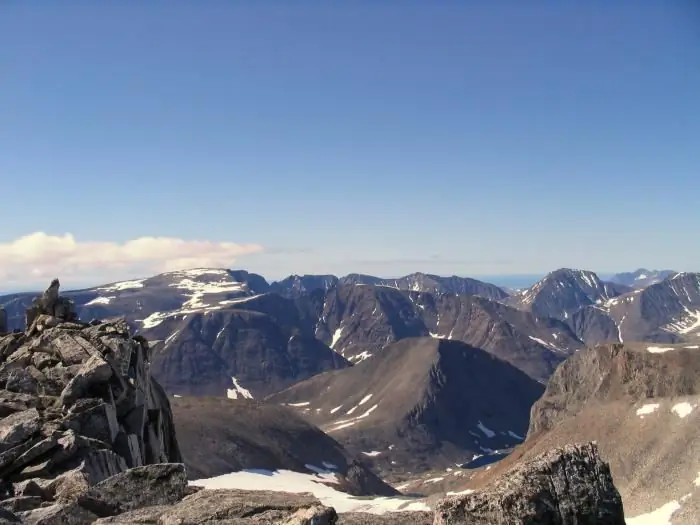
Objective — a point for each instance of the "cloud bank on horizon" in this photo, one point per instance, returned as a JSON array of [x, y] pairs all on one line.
[[34, 258]]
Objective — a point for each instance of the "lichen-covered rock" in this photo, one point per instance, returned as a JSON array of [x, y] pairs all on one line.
[[565, 486]]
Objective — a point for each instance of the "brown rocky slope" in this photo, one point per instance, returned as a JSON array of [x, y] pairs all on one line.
[[639, 401]]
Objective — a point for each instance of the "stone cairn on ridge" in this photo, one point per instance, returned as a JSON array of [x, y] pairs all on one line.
[[87, 436]]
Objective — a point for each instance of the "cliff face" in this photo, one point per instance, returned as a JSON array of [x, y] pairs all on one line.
[[77, 403]]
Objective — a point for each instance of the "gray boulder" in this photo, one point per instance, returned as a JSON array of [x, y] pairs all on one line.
[[151, 485], [565, 486]]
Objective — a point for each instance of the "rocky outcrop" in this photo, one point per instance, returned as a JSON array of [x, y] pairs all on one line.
[[78, 405], [565, 486]]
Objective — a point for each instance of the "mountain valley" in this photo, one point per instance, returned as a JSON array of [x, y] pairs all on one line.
[[422, 384]]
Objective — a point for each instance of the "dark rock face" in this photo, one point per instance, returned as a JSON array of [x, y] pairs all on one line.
[[433, 284], [617, 372], [265, 345], [562, 292], [297, 285], [641, 277], [565, 486], [78, 405]]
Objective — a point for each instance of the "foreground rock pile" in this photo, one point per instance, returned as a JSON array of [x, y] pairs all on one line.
[[77, 405]]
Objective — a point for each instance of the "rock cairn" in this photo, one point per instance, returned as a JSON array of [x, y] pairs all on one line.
[[77, 405]]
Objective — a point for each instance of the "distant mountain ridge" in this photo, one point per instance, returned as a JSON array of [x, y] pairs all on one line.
[[642, 277], [230, 332]]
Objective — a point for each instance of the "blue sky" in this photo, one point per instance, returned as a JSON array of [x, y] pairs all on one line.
[[460, 138]]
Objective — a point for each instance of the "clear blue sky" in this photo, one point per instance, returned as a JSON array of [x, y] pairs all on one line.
[[474, 138]]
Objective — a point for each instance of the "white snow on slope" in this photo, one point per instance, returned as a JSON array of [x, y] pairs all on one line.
[[123, 285], [649, 408], [302, 404], [660, 516], [487, 431], [344, 423], [659, 349], [238, 390], [372, 453], [100, 300], [158, 317], [683, 409], [545, 344], [360, 357], [296, 482], [362, 402], [336, 337], [514, 435]]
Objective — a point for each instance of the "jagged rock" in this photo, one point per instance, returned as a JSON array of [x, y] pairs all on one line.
[[96, 370], [3, 320], [77, 406], [565, 486], [240, 506], [8, 518], [21, 503], [390, 518], [149, 516], [135, 488], [17, 427], [72, 514], [316, 515]]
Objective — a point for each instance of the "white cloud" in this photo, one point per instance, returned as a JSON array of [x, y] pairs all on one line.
[[36, 257]]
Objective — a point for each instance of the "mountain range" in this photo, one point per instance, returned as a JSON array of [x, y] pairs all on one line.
[[426, 381]]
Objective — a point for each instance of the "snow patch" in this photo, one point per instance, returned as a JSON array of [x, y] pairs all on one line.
[[487, 431], [660, 516], [649, 408], [461, 492], [238, 390], [514, 435], [123, 285], [683, 409], [336, 337], [302, 404], [344, 423], [659, 349], [372, 454], [100, 300], [297, 482], [334, 410]]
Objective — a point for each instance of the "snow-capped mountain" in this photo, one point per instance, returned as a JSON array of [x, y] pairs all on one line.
[[668, 311], [562, 292], [641, 278]]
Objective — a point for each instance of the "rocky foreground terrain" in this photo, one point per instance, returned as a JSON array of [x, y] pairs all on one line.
[[87, 436]]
